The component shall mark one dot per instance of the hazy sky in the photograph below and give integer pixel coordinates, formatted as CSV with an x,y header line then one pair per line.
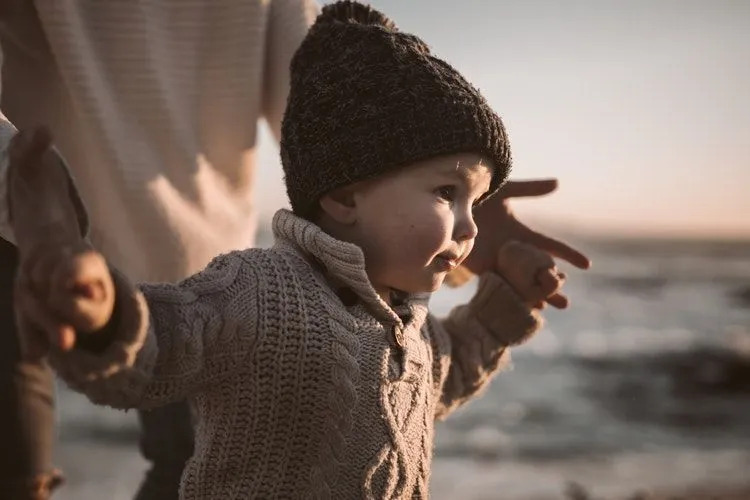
x,y
640,108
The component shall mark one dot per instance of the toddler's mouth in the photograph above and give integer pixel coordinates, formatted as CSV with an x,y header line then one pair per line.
x,y
447,261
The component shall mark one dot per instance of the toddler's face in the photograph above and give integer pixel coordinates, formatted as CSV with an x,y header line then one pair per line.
x,y
416,224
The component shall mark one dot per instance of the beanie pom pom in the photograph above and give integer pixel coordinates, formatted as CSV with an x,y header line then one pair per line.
x,y
347,11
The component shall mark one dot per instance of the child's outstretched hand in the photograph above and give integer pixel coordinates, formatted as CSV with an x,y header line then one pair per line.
x,y
63,287
532,273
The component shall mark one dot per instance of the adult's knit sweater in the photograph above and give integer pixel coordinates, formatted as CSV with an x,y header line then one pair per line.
x,y
307,384
154,105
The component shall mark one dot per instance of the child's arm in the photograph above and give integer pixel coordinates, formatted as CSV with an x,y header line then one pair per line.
x,y
166,342
472,343
97,329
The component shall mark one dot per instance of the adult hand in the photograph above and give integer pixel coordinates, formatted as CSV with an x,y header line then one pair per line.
x,y
40,209
62,286
498,225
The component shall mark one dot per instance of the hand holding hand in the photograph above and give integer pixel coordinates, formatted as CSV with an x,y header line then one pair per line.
x,y
498,224
63,287
532,273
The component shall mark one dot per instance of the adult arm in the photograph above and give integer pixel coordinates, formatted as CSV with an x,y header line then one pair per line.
x,y
498,224
166,342
288,23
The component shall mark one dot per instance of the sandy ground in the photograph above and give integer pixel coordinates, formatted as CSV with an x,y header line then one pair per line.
x,y
113,470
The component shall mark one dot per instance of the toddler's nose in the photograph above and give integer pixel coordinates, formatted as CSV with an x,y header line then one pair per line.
x,y
466,228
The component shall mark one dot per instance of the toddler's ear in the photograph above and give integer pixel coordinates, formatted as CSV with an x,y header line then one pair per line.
x,y
340,205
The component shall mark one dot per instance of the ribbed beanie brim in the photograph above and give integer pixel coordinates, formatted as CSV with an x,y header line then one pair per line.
x,y
366,98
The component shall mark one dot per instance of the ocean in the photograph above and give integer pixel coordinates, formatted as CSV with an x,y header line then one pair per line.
x,y
642,385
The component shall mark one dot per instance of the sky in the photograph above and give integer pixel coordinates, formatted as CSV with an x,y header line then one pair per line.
x,y
640,108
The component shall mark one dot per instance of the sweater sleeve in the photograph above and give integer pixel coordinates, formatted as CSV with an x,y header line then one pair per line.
x,y
472,343
288,23
169,341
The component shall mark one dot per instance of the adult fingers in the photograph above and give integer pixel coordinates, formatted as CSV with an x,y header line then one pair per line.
x,y
33,342
57,333
39,266
520,189
558,249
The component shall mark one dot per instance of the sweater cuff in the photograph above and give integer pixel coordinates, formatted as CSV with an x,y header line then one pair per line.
x,y
116,373
499,309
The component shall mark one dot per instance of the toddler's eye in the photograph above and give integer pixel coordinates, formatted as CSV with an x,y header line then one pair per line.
x,y
447,193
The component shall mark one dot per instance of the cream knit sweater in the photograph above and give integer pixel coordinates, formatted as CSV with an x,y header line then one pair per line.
x,y
154,105
307,384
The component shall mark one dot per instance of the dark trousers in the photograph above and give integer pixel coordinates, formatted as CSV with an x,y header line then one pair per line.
x,y
167,442
26,396
27,413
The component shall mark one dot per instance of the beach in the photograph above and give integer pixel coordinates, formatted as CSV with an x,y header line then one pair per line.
x,y
640,390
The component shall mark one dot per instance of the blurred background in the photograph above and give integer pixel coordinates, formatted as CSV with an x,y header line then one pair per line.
x,y
642,110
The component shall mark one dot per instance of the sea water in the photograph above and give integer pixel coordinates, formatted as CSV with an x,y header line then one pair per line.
x,y
643,383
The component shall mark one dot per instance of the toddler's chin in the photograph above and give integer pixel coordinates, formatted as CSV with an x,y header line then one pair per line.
x,y
421,284
437,282
435,285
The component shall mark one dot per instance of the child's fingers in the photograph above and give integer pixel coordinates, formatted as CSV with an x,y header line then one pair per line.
x,y
533,274
73,283
83,292
558,300
549,280
522,259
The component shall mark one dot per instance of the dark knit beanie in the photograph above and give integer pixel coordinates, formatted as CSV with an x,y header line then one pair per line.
x,y
366,99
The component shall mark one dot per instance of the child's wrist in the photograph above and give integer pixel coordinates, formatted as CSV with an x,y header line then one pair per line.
x,y
500,309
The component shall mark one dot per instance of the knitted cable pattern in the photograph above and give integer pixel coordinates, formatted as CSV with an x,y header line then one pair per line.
x,y
297,394
367,98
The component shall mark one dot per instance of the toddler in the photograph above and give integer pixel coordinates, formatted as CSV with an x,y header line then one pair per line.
x,y
314,366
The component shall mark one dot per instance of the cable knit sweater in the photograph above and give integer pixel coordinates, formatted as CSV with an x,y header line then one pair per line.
x,y
306,382
154,105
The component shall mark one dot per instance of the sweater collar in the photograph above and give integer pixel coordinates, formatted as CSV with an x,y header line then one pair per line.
x,y
343,262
